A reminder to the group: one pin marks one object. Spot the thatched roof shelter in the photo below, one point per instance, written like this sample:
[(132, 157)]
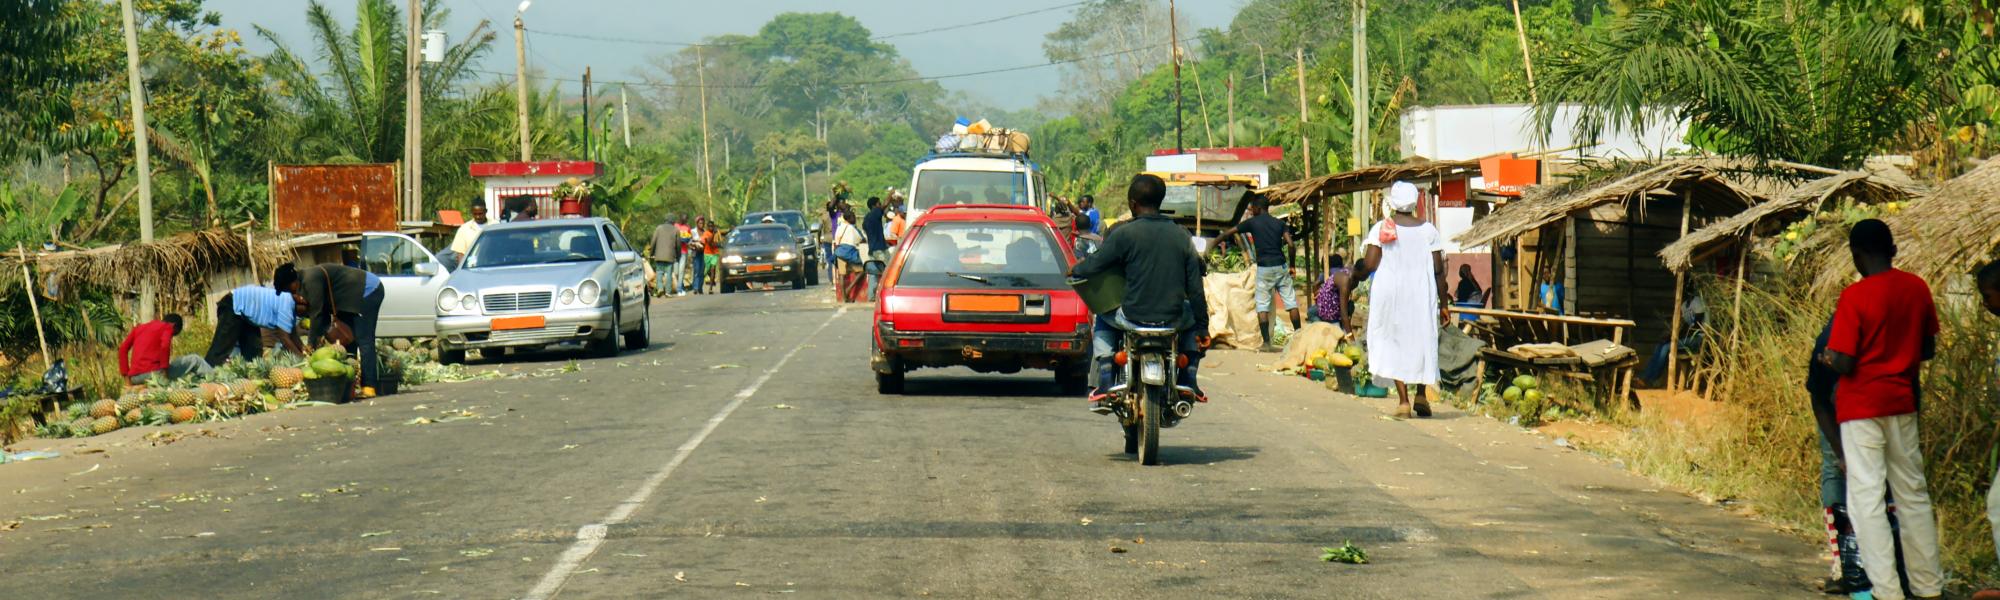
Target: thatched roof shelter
[(1940, 236), (180, 265), (1767, 218), (1416, 170), (1544, 205)]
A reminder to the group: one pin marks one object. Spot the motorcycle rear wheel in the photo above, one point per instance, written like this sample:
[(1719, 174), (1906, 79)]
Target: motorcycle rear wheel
[(1151, 404)]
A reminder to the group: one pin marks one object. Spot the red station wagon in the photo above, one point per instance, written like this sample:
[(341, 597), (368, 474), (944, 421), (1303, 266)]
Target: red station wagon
[(981, 286)]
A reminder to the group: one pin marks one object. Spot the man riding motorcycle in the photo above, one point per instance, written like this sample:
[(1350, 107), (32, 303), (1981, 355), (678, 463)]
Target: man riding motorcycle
[(1162, 284)]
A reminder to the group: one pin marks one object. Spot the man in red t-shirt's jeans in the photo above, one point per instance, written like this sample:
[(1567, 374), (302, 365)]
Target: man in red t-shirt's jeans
[(1884, 328)]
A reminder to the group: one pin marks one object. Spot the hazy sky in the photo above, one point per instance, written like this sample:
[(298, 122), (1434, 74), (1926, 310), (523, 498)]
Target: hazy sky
[(1010, 43)]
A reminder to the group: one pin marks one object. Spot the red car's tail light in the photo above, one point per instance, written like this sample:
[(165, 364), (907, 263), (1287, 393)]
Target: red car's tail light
[(1061, 345), (910, 343)]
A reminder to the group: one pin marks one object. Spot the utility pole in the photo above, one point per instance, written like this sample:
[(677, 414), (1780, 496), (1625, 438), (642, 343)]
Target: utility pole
[(805, 198), (1305, 141), (1174, 44), (725, 152), (774, 182), (145, 154), (707, 176), (1363, 146), (625, 116), (1521, 32), (413, 117), (1232, 110), (521, 80), (586, 113)]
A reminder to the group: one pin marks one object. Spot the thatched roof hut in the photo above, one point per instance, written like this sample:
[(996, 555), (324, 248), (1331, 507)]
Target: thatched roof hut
[(1767, 218), (1940, 236), (1545, 205), (1376, 177), (180, 265)]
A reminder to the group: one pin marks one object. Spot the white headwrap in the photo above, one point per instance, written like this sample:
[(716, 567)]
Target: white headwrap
[(1402, 197)]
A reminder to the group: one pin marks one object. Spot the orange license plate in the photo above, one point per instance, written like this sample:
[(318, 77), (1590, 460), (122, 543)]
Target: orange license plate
[(759, 268), (982, 303), (530, 322)]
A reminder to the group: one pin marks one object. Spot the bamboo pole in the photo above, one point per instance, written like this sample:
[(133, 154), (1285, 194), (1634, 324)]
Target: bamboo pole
[(1680, 292), (1736, 309), (1521, 32), (34, 306)]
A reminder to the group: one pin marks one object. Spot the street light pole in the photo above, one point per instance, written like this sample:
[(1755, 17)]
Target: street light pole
[(145, 154), (521, 79)]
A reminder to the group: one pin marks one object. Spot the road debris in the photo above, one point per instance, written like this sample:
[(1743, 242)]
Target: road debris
[(782, 406), (681, 576), (475, 552), (1347, 553)]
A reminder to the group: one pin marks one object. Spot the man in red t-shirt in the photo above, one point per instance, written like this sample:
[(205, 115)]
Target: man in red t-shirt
[(1884, 328), (146, 353)]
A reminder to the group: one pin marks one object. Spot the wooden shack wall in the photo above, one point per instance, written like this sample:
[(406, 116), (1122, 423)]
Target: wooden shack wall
[(1612, 267)]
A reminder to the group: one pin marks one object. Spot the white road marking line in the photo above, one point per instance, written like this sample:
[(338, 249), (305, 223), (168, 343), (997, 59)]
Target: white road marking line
[(589, 537)]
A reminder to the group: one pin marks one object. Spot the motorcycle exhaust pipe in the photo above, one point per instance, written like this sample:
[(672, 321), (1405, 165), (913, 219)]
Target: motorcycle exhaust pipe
[(1183, 408)]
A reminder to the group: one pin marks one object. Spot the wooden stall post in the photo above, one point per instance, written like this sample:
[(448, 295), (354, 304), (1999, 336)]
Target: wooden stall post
[(34, 306), (1680, 291)]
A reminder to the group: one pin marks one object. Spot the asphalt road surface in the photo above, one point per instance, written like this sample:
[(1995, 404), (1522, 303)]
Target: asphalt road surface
[(747, 453)]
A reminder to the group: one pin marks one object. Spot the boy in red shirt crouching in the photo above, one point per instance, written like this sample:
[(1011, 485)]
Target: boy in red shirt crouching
[(1884, 328)]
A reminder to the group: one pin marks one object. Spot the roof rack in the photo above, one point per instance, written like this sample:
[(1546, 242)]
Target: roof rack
[(983, 207)]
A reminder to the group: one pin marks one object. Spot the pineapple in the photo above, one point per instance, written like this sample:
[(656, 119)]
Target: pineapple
[(130, 401), (181, 397), (182, 414), (134, 416), (286, 377), (80, 426), (104, 408), (282, 395), (212, 392), (104, 425), (246, 387)]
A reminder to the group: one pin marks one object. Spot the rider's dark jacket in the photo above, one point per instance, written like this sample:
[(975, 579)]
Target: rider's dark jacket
[(1162, 271)]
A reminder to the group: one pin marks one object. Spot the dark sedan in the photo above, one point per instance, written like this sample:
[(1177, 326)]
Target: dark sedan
[(761, 253)]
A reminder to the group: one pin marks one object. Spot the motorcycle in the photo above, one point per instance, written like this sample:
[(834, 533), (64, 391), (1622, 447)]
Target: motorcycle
[(1145, 395)]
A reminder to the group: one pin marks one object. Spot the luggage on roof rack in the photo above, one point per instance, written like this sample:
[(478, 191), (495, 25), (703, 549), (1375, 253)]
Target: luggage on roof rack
[(999, 142)]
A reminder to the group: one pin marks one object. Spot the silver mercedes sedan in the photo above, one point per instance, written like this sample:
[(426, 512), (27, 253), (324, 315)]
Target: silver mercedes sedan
[(530, 284)]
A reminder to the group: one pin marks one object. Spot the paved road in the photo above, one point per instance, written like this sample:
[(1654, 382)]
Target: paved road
[(760, 460)]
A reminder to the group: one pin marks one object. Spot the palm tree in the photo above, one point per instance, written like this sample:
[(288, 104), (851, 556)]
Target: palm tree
[(1829, 83), (353, 109)]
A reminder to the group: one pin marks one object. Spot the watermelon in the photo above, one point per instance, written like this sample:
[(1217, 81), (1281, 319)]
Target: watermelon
[(1533, 397), (1513, 394), (1526, 382), (329, 351)]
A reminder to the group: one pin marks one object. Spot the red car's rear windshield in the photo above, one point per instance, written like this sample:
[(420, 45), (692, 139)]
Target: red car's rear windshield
[(976, 255)]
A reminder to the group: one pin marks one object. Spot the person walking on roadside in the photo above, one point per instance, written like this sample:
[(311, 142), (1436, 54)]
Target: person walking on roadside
[(1405, 304), (1271, 239), (894, 203), (665, 250), (681, 275), (143, 356), (1884, 327), (847, 244), (242, 315), (696, 255), (338, 292), (1988, 280), (874, 232), (711, 255)]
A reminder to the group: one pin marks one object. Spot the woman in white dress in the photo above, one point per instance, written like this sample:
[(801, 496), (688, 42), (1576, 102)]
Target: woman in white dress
[(1405, 303)]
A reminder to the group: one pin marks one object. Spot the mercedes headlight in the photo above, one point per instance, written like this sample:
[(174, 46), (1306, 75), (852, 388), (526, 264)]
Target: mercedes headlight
[(448, 300), (568, 296), (469, 302), (785, 256), (732, 259), (588, 292)]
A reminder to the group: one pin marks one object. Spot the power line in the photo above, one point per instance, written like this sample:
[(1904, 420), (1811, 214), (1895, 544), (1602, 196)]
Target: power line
[(864, 83), (651, 42)]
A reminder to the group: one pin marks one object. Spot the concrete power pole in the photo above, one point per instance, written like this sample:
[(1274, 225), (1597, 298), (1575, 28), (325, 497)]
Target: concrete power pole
[(625, 116), (413, 117), (707, 175), (774, 182), (1305, 141), (586, 114), (1174, 45), (141, 144), (1363, 146), (521, 82)]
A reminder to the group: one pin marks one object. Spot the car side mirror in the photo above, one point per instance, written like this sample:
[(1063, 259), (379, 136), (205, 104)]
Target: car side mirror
[(816, 227), (427, 269), (625, 256)]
